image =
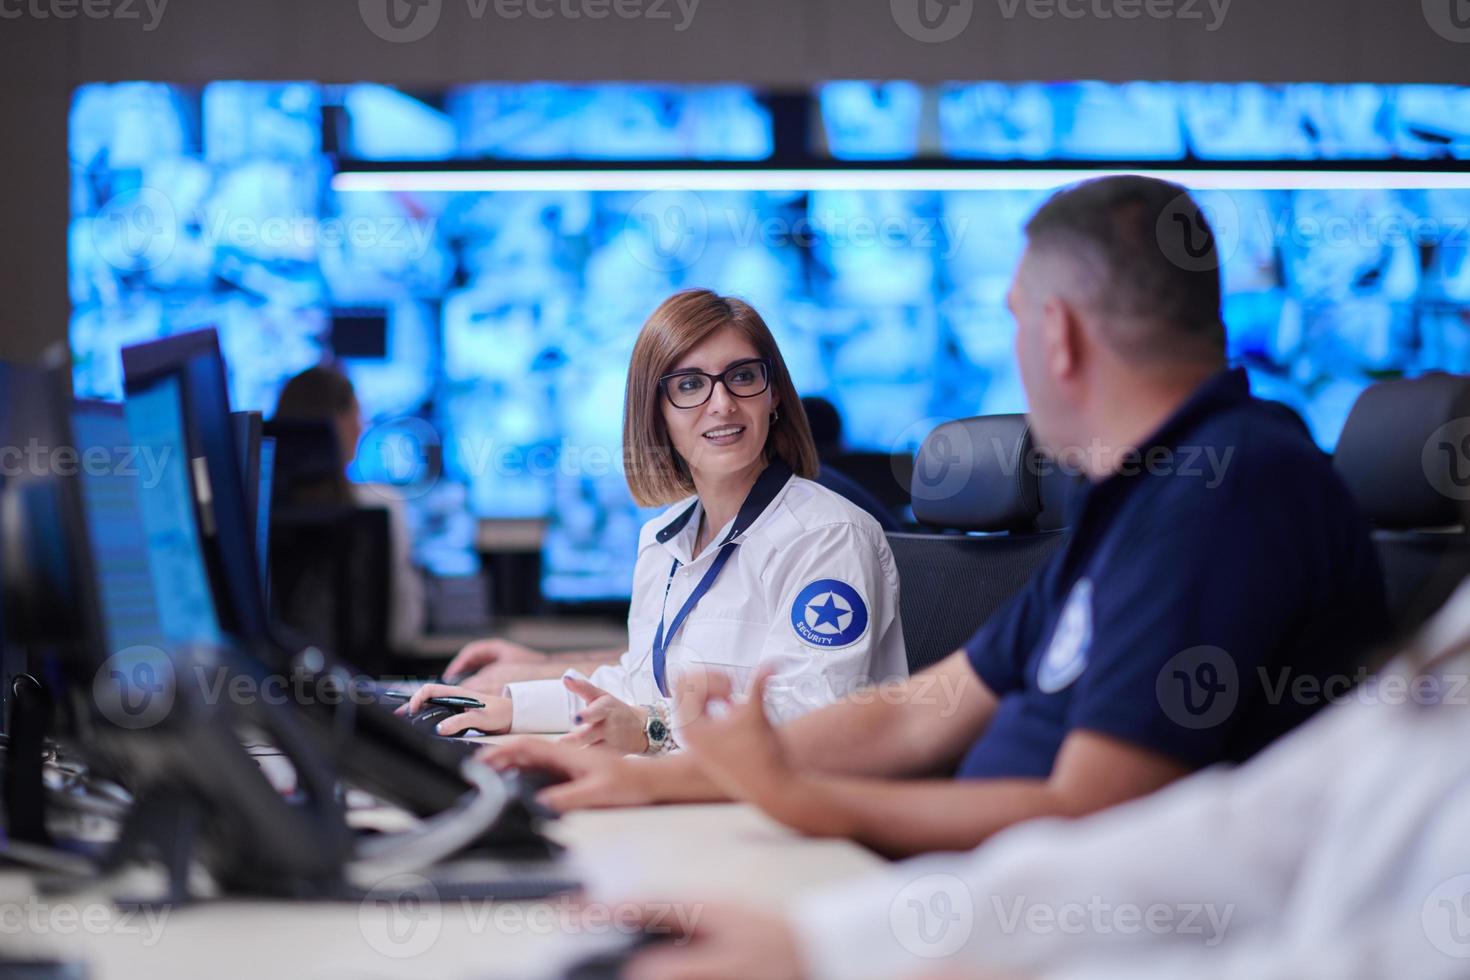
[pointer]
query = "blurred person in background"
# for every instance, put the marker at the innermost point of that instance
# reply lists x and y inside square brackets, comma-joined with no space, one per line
[324,395]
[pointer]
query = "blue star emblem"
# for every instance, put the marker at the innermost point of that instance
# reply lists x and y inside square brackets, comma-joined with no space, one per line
[828,613]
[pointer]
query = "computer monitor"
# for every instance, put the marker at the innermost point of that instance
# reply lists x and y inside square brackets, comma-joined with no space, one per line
[176,391]
[52,622]
[150,520]
[256,470]
[247,426]
[114,467]
[263,515]
[176,394]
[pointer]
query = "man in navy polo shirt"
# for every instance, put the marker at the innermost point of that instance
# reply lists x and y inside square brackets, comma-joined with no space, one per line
[1215,562]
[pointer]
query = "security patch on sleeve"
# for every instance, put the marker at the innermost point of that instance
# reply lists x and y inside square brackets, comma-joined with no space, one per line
[829,613]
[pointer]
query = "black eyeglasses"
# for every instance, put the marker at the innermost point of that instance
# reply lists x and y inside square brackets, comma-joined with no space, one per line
[691,389]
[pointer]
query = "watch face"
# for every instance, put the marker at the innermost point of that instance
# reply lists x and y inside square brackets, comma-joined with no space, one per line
[657,731]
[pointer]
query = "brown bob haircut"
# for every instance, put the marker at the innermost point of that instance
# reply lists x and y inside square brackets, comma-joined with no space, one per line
[657,476]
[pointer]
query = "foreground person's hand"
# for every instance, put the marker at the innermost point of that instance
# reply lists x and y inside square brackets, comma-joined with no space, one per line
[595,777]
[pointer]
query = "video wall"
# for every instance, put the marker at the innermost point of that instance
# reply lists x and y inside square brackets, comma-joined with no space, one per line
[492,327]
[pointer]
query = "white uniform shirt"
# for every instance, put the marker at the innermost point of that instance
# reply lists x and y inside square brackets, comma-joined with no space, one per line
[811,590]
[1342,852]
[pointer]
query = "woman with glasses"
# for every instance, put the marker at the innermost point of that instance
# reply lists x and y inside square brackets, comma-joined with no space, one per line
[753,567]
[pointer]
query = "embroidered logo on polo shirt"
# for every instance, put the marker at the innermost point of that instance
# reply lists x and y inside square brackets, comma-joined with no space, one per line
[829,613]
[1066,657]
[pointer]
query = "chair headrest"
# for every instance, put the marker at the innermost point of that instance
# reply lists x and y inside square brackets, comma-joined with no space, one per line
[1405,451]
[986,474]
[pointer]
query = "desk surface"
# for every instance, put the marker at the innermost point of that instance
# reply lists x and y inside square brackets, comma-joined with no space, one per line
[683,855]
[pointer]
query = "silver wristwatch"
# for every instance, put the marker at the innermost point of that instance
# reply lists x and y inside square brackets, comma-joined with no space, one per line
[656,727]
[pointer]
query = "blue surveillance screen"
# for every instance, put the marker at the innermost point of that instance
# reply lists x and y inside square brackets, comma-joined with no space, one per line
[508,315]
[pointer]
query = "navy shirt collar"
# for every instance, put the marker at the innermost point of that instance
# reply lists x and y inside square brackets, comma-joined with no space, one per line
[1221,392]
[767,486]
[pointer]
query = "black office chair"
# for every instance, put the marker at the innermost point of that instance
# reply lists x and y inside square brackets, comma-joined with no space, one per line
[330,560]
[980,474]
[1405,454]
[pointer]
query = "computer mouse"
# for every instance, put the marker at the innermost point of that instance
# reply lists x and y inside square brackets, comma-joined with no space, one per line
[428,718]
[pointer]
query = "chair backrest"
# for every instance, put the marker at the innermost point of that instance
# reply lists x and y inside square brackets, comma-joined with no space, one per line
[1405,455]
[980,474]
[331,569]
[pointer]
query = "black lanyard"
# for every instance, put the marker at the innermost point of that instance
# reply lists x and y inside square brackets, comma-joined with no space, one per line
[767,485]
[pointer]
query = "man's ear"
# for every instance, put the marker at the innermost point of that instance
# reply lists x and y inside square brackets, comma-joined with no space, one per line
[1061,332]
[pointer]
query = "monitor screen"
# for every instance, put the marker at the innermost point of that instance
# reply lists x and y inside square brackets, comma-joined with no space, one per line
[263,514]
[509,309]
[186,610]
[113,473]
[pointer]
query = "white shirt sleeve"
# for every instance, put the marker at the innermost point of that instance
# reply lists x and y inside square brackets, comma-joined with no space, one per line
[546,706]
[808,675]
[1221,848]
